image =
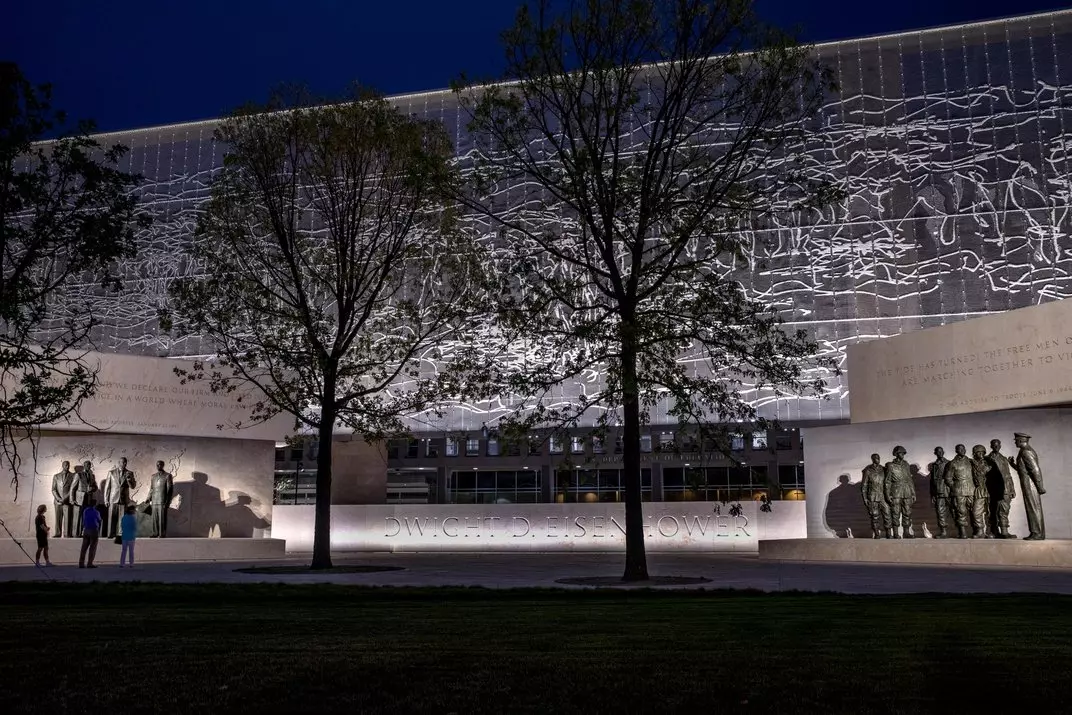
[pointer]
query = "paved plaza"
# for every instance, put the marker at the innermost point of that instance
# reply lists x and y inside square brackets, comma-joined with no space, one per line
[543,570]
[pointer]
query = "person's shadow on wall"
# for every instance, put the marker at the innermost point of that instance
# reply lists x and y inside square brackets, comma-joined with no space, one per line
[198,509]
[845,510]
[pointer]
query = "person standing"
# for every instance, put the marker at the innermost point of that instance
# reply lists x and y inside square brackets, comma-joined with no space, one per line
[900,493]
[981,496]
[83,488]
[1002,490]
[91,524]
[874,479]
[1027,463]
[961,489]
[161,490]
[62,482]
[128,527]
[41,531]
[940,491]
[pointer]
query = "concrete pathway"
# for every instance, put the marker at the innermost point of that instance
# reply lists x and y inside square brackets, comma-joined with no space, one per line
[542,570]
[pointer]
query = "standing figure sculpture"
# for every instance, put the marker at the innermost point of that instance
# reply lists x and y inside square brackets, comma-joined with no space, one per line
[62,482]
[874,493]
[1027,463]
[117,487]
[161,489]
[83,495]
[1002,490]
[900,493]
[961,489]
[940,491]
[981,496]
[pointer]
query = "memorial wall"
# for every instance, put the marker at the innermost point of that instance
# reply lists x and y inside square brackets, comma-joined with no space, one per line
[1020,358]
[681,526]
[835,458]
[221,476]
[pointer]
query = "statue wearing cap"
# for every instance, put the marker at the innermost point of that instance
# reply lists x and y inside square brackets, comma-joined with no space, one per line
[1031,489]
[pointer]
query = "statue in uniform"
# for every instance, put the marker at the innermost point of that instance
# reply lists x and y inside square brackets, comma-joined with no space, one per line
[873,490]
[117,488]
[961,489]
[62,482]
[83,492]
[1027,463]
[940,491]
[900,493]
[161,489]
[1002,490]
[981,496]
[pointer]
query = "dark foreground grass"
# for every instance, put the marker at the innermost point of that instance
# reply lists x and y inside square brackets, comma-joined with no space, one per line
[267,649]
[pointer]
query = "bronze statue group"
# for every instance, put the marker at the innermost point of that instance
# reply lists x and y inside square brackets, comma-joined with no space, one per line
[976,491]
[75,493]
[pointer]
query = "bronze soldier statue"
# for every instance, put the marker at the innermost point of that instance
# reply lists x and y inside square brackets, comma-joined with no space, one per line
[961,489]
[940,491]
[161,489]
[980,497]
[83,495]
[873,490]
[1002,490]
[1027,463]
[900,493]
[61,499]
[117,486]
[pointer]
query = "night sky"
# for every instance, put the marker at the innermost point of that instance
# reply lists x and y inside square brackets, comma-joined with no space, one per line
[132,64]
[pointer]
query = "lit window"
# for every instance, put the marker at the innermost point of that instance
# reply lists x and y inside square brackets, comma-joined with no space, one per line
[452,446]
[577,445]
[759,440]
[555,444]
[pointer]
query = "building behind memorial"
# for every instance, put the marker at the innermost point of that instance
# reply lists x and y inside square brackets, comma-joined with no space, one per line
[953,146]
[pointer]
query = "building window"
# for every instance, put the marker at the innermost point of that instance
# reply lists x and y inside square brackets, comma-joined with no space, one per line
[413,449]
[493,446]
[736,442]
[645,443]
[294,486]
[719,484]
[411,487]
[452,446]
[472,447]
[759,440]
[554,444]
[666,441]
[783,441]
[791,481]
[597,446]
[487,486]
[596,485]
[535,446]
[576,445]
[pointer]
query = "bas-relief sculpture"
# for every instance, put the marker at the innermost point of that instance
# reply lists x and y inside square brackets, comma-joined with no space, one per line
[978,490]
[224,488]
[1027,464]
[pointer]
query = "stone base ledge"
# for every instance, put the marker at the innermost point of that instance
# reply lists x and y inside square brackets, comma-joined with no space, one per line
[1056,553]
[65,551]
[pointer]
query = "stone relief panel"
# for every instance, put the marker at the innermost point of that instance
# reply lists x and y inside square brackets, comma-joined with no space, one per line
[223,487]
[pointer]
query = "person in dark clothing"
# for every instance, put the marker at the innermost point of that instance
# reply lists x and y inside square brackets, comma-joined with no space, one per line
[91,525]
[41,529]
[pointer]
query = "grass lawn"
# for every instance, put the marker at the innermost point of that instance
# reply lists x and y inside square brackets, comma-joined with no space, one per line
[117,648]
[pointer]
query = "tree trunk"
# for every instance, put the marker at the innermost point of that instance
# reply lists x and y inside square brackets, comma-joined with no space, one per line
[322,521]
[636,562]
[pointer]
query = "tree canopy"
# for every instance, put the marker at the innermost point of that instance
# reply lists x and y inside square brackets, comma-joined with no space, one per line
[644,143]
[333,275]
[68,214]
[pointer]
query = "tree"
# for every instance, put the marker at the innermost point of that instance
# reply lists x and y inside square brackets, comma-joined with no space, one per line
[66,212]
[653,137]
[332,275]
